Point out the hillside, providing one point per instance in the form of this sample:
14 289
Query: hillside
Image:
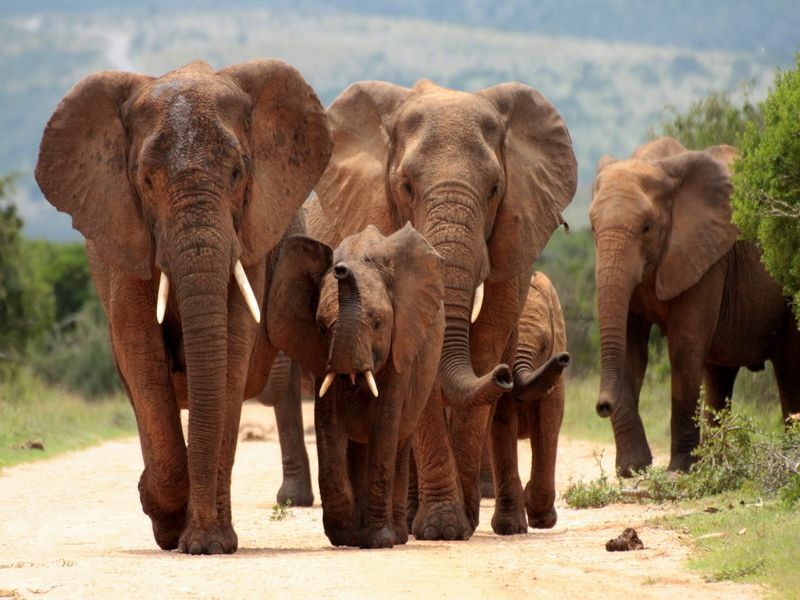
610 92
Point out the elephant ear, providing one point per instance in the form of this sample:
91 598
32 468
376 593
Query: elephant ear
293 298
353 190
699 189
417 275
541 177
290 146
82 169
658 148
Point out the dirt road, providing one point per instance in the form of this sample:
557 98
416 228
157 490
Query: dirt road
72 527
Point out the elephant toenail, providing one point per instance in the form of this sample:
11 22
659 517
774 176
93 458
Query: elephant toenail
195 548
216 548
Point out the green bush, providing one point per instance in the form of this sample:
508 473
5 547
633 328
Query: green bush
766 179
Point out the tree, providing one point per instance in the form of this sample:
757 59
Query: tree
26 306
766 183
710 121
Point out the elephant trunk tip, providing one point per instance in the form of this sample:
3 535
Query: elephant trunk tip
563 360
502 377
604 406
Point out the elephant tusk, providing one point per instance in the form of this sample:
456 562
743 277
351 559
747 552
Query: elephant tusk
353 378
326 383
477 303
163 294
373 387
247 291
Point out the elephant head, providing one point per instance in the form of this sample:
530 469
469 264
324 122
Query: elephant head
661 219
189 177
483 177
365 308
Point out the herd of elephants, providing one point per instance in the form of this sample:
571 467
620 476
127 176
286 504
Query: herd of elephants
386 245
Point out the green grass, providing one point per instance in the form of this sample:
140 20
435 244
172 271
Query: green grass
745 541
755 395
31 410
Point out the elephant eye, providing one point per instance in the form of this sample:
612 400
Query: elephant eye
647 227
235 174
322 329
376 324
408 189
494 191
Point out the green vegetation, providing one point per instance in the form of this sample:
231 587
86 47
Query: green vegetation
710 121
281 511
738 537
767 183
33 413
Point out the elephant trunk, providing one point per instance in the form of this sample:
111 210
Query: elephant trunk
531 384
615 284
453 235
199 262
347 351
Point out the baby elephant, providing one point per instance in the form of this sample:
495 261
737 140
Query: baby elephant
539 391
368 321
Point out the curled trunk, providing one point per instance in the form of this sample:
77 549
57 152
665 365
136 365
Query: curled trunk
453 235
531 384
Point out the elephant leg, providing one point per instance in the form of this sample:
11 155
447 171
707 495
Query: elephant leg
633 450
719 382
412 501
545 419
440 515
296 486
509 509
787 374
142 363
400 492
336 491
468 429
378 486
486 482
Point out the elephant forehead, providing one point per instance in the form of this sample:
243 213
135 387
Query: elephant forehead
461 115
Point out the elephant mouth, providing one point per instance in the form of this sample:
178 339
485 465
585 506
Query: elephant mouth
351 380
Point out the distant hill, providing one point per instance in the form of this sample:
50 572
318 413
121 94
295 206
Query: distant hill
610 81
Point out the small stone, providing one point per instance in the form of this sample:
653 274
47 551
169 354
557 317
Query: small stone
629 540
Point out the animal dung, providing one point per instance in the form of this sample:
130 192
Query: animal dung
629 540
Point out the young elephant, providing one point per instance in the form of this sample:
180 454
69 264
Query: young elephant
367 320
667 255
539 395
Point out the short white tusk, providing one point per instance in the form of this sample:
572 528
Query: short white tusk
163 294
247 291
477 303
373 387
326 383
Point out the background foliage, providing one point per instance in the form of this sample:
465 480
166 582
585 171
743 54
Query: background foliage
767 183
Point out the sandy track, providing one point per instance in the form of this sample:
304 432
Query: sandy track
72 527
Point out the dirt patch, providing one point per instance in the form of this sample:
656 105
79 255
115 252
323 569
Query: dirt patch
72 527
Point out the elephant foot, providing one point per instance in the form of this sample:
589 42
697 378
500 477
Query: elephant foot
509 523
441 521
629 463
218 539
342 536
542 520
472 508
376 538
681 462
296 490
400 534
167 528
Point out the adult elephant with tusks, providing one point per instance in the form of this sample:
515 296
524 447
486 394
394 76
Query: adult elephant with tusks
182 185
484 178
667 255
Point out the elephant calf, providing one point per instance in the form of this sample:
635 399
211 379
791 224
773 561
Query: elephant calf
539 401
368 321
667 255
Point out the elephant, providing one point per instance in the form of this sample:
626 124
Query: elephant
539 395
182 185
283 393
484 178
668 255
368 320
